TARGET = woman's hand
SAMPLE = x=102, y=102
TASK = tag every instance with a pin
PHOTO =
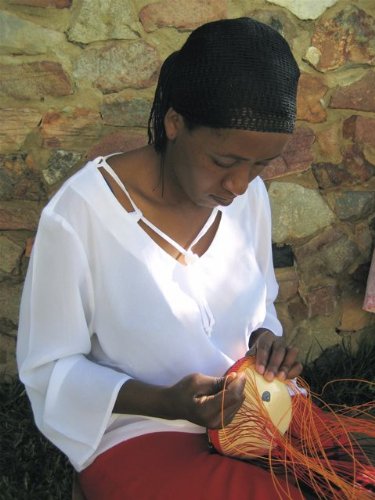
x=199, y=398
x=272, y=357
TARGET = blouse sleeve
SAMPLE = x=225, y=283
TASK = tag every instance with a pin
x=72, y=397
x=260, y=206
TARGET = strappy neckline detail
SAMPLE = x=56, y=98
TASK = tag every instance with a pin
x=189, y=256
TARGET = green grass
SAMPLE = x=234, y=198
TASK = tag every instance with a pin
x=31, y=468
x=344, y=362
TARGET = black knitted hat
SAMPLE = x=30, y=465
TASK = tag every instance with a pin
x=233, y=73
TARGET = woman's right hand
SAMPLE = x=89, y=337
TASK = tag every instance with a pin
x=199, y=398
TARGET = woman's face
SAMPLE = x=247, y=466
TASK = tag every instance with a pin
x=210, y=167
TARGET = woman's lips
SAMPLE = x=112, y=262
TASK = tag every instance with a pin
x=222, y=201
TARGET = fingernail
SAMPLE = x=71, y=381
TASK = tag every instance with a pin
x=230, y=377
x=260, y=369
x=281, y=376
x=269, y=376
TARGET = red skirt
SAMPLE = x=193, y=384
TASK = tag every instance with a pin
x=175, y=466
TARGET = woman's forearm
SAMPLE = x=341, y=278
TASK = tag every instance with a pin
x=196, y=397
x=139, y=398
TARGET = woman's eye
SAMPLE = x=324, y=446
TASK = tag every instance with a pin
x=223, y=163
x=262, y=163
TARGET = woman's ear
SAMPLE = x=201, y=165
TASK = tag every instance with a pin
x=173, y=122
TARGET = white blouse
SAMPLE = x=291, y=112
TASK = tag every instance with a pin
x=103, y=303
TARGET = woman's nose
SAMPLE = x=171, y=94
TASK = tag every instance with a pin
x=237, y=180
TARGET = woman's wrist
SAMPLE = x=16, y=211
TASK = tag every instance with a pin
x=139, y=398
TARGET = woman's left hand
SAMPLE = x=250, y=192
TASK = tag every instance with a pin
x=273, y=357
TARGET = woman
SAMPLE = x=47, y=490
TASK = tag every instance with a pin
x=152, y=274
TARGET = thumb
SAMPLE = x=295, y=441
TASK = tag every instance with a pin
x=208, y=386
x=235, y=382
x=222, y=383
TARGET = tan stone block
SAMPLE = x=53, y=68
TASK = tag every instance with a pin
x=297, y=153
x=71, y=130
x=297, y=310
x=10, y=296
x=58, y=4
x=284, y=317
x=60, y=163
x=126, y=109
x=297, y=212
x=181, y=15
x=322, y=301
x=311, y=90
x=29, y=246
x=328, y=255
x=10, y=254
x=94, y=20
x=19, y=214
x=296, y=157
x=118, y=65
x=303, y=9
x=369, y=154
x=354, y=318
x=275, y=168
x=19, y=179
x=360, y=95
x=344, y=37
x=316, y=244
x=353, y=205
x=8, y=365
x=314, y=335
x=21, y=37
x=329, y=142
x=34, y=80
x=360, y=129
x=117, y=142
x=277, y=19
x=328, y=175
x=363, y=239
x=15, y=126
x=287, y=279
x=356, y=165
x=312, y=56
x=353, y=169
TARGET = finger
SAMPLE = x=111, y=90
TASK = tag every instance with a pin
x=288, y=362
x=295, y=370
x=252, y=351
x=275, y=361
x=214, y=402
x=237, y=383
x=207, y=386
x=231, y=377
x=262, y=355
x=233, y=395
x=221, y=383
x=266, y=346
x=225, y=415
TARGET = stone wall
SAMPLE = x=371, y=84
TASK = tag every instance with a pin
x=77, y=79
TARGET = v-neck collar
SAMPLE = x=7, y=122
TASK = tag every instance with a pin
x=136, y=214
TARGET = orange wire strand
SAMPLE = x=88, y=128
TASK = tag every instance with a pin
x=326, y=455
